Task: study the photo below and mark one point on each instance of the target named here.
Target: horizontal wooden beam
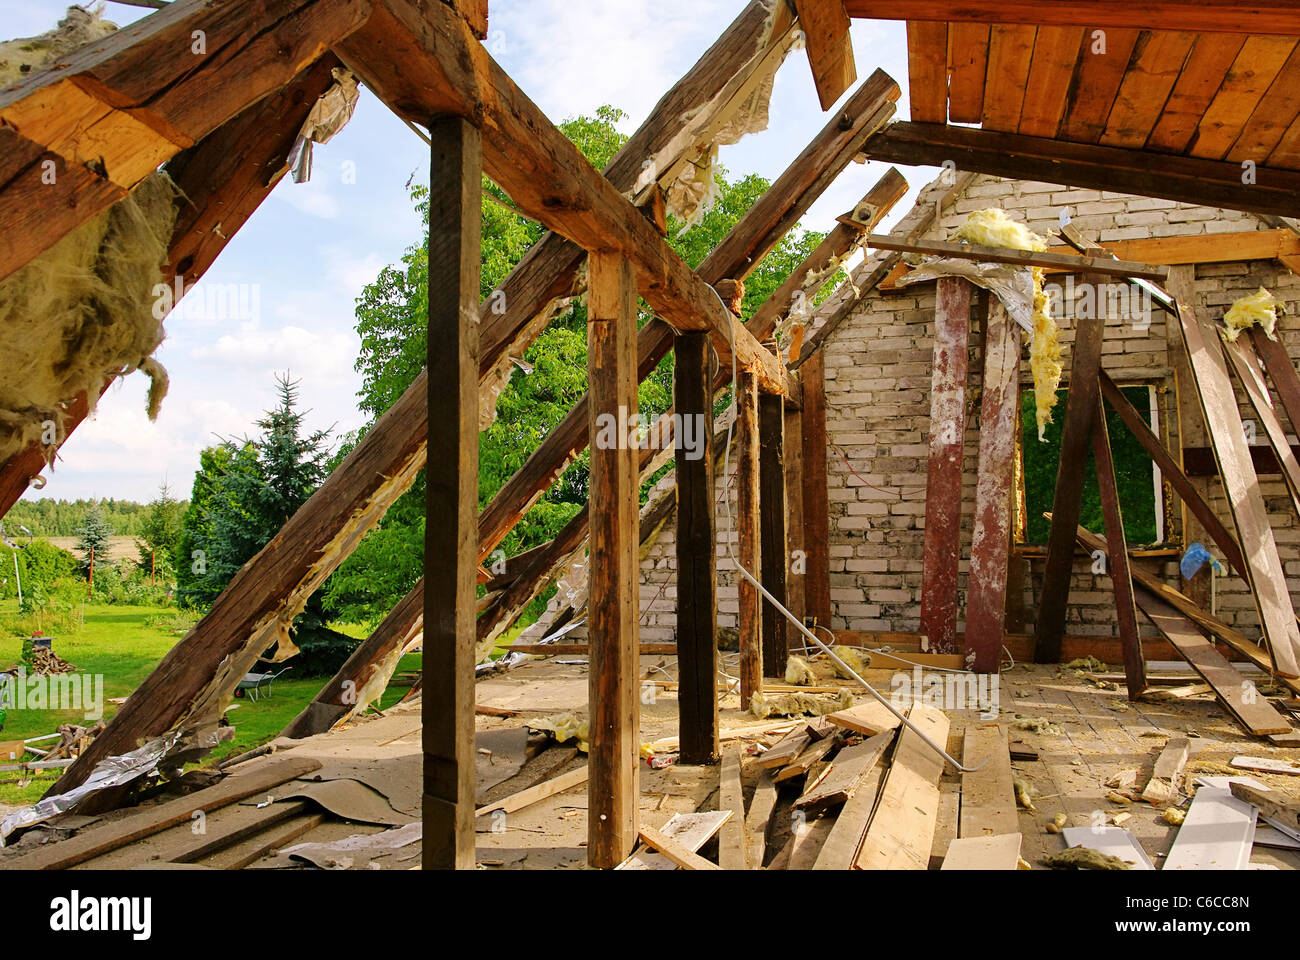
(1022, 258)
(1212, 183)
(1206, 16)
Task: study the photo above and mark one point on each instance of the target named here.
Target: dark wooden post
(697, 571)
(986, 608)
(943, 475)
(451, 495)
(774, 550)
(1080, 412)
(816, 502)
(1120, 575)
(748, 536)
(794, 533)
(612, 584)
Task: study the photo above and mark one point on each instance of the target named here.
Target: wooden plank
(1080, 413)
(1272, 117)
(808, 842)
(988, 796)
(1195, 180)
(990, 543)
(927, 71)
(265, 844)
(1163, 786)
(1011, 50)
(612, 621)
(1157, 61)
(816, 503)
(697, 578)
(774, 550)
(968, 54)
(1260, 61)
(451, 495)
(1120, 575)
(1281, 371)
(806, 759)
(984, 853)
(245, 822)
(1096, 84)
(786, 749)
(1274, 765)
(1215, 835)
(902, 826)
(143, 823)
(758, 820)
(748, 536)
(1056, 52)
(848, 770)
(1203, 73)
(1245, 363)
(795, 535)
(540, 791)
(675, 851)
(1171, 471)
(1226, 16)
(968, 251)
(825, 28)
(840, 848)
(943, 480)
(690, 830)
(1229, 685)
(868, 718)
(731, 840)
(1263, 569)
(1270, 803)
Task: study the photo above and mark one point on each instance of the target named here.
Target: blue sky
(311, 248)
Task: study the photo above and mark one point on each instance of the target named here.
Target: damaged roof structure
(875, 445)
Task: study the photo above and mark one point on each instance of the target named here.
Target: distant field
(119, 548)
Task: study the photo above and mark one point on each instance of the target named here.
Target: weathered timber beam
(816, 502)
(423, 61)
(114, 110)
(684, 118)
(749, 241)
(830, 50)
(1208, 16)
(223, 178)
(1213, 183)
(1024, 258)
(748, 537)
(197, 678)
(775, 551)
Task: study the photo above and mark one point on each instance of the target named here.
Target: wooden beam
(1172, 471)
(451, 494)
(1263, 569)
(927, 70)
(612, 581)
(775, 549)
(990, 544)
(731, 799)
(110, 112)
(1121, 578)
(1282, 371)
(816, 503)
(988, 796)
(1212, 183)
(748, 536)
(1245, 362)
(795, 537)
(697, 575)
(943, 482)
(1080, 412)
(1210, 16)
(825, 28)
(1023, 258)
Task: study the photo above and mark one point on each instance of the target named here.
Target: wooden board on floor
(988, 797)
(993, 852)
(758, 819)
(1163, 785)
(674, 850)
(1216, 834)
(868, 718)
(850, 766)
(690, 830)
(731, 799)
(845, 838)
(902, 826)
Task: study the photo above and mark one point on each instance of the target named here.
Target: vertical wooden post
(774, 549)
(816, 502)
(612, 583)
(451, 494)
(1080, 412)
(697, 572)
(990, 545)
(943, 475)
(748, 535)
(1120, 575)
(794, 532)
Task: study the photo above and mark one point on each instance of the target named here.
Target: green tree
(160, 534)
(92, 536)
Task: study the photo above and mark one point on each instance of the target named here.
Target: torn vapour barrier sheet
(327, 117)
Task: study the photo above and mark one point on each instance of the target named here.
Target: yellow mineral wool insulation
(83, 310)
(993, 228)
(856, 660)
(21, 58)
(564, 727)
(1260, 309)
(797, 671)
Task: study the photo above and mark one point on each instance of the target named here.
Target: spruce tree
(93, 534)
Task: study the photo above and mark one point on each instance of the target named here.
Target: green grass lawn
(117, 643)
